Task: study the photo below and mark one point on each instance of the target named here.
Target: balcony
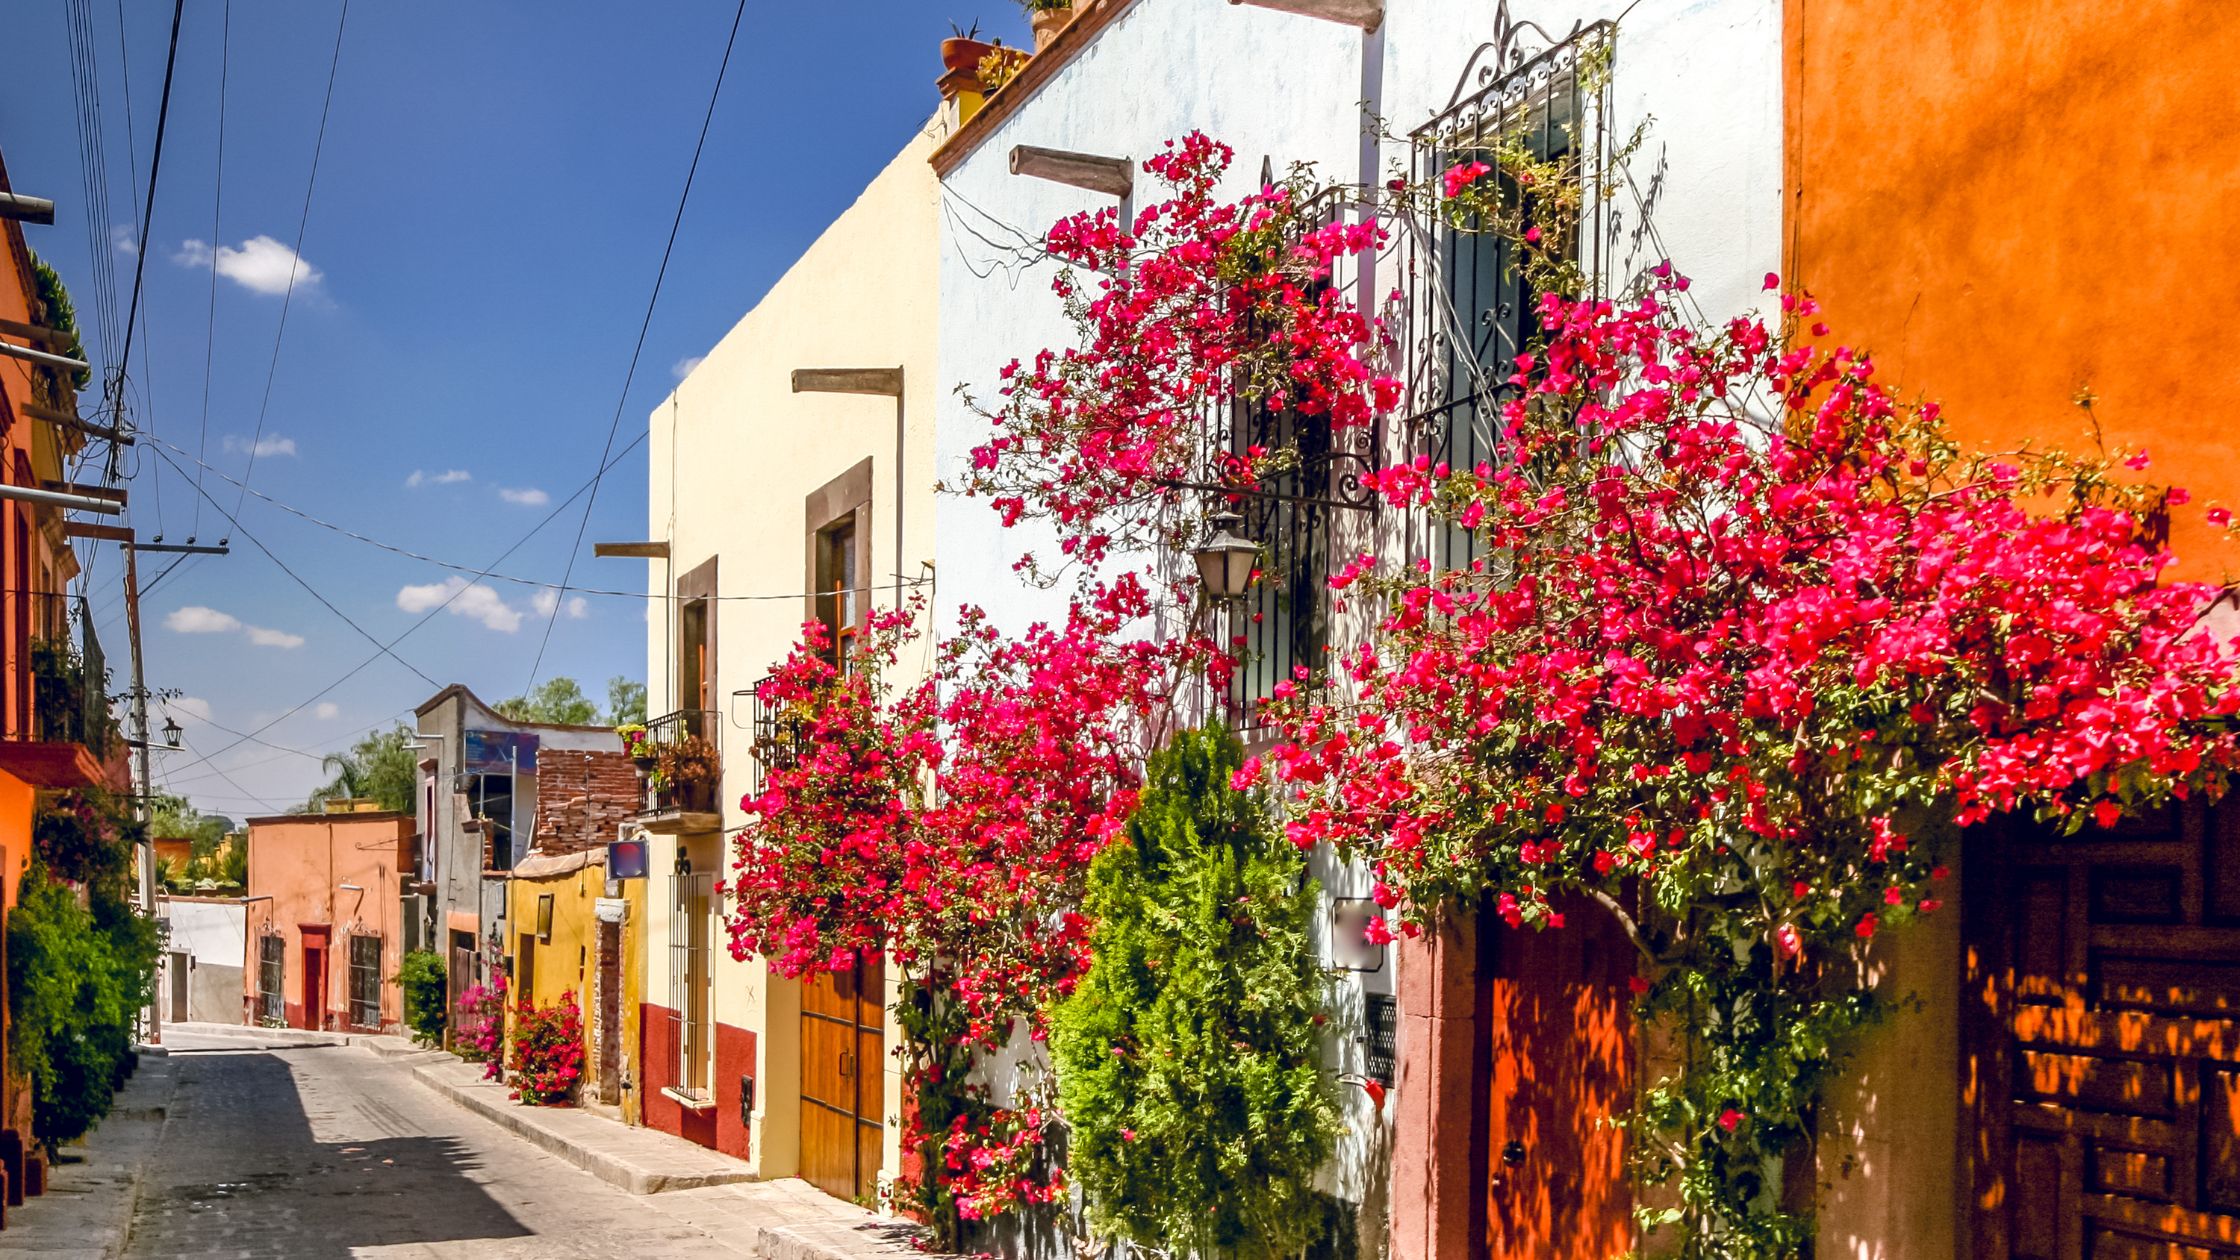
(777, 738)
(65, 736)
(681, 757)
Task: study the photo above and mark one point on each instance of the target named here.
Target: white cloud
(270, 444)
(547, 599)
(259, 264)
(195, 619)
(193, 708)
(123, 239)
(528, 496)
(682, 368)
(448, 477)
(462, 599)
(327, 711)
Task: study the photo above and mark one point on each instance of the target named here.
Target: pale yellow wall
(1889, 1148)
(733, 454)
(564, 962)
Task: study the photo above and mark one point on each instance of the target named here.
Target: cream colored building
(763, 493)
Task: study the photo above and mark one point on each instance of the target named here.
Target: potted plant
(1048, 17)
(1000, 66)
(685, 773)
(964, 48)
(634, 745)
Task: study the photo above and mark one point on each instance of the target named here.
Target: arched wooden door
(2102, 1040)
(1557, 1010)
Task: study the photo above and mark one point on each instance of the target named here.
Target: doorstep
(641, 1161)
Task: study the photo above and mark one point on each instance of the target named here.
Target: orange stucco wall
(297, 866)
(2010, 202)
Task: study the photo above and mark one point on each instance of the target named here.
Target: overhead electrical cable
(309, 589)
(622, 400)
(295, 263)
(155, 170)
(217, 217)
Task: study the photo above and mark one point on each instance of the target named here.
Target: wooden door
(314, 984)
(1557, 1009)
(843, 1082)
(2102, 1040)
(178, 970)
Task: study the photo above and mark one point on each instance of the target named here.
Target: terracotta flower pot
(1047, 23)
(964, 54)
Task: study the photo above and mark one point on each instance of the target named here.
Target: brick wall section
(582, 794)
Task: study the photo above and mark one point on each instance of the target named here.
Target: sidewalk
(87, 1209)
(778, 1220)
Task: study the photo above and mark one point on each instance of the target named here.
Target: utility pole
(154, 1014)
(144, 798)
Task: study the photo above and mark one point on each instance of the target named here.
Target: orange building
(55, 727)
(324, 921)
(2021, 209)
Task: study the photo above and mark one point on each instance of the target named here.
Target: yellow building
(822, 396)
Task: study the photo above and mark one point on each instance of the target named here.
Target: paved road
(323, 1153)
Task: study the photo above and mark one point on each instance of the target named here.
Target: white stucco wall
(209, 931)
(734, 454)
(1704, 188)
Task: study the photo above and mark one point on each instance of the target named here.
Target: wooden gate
(1556, 1007)
(843, 1082)
(2102, 1040)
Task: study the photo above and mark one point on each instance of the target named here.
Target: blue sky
(494, 191)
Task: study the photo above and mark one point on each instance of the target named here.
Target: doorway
(314, 978)
(1556, 1007)
(843, 1079)
(2101, 1037)
(179, 962)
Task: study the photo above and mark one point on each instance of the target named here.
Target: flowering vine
(1755, 638)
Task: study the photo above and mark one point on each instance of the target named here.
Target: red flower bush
(1755, 635)
(481, 1034)
(547, 1052)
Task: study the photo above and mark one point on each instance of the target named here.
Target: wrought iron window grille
(1470, 307)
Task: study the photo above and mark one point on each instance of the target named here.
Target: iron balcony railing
(70, 678)
(687, 755)
(777, 738)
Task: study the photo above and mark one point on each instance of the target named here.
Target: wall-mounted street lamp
(171, 732)
(1225, 561)
(684, 865)
(887, 383)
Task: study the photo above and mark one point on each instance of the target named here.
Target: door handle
(846, 1068)
(1512, 1153)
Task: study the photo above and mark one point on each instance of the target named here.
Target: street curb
(834, 1242)
(521, 1122)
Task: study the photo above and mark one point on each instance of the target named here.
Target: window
(525, 970)
(839, 582)
(492, 795)
(689, 979)
(365, 981)
(272, 954)
(1284, 617)
(1472, 301)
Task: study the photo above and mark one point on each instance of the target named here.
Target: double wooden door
(2102, 1040)
(843, 1079)
(1556, 1007)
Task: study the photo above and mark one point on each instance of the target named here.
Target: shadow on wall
(261, 1173)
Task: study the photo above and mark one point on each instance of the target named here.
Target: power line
(622, 400)
(217, 213)
(295, 264)
(155, 168)
(424, 558)
(299, 581)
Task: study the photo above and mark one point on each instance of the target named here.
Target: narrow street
(322, 1152)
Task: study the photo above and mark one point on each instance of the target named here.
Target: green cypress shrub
(422, 977)
(1189, 1058)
